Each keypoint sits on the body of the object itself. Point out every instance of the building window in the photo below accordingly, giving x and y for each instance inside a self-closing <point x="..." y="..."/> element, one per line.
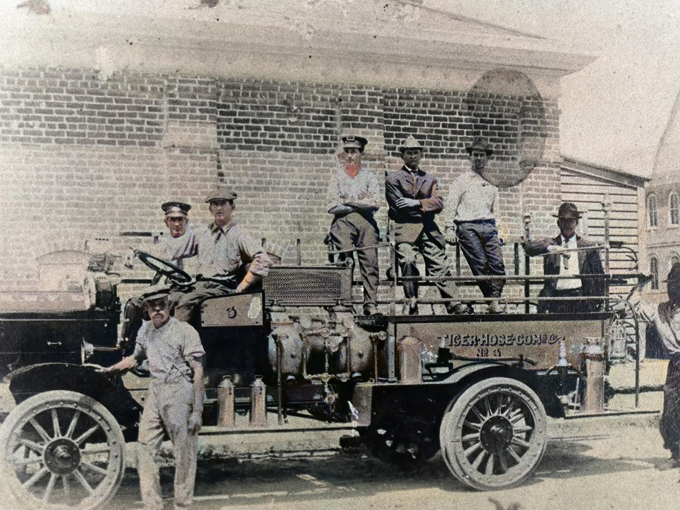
<point x="674" y="208"/>
<point x="654" y="272"/>
<point x="651" y="211"/>
<point x="675" y="258"/>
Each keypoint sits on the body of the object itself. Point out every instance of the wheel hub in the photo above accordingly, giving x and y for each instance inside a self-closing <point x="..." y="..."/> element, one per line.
<point x="62" y="456"/>
<point x="496" y="434"/>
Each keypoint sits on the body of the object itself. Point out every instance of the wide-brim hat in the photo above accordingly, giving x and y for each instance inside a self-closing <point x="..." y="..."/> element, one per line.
<point x="410" y="144"/>
<point x="157" y="291"/>
<point x="568" y="211"/>
<point x="354" y="142"/>
<point x="175" y="207"/>
<point x="221" y="193"/>
<point x="479" y="143"/>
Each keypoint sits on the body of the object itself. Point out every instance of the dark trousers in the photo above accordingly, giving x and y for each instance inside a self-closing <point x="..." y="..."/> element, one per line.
<point x="481" y="247"/>
<point x="432" y="247"/>
<point x="557" y="306"/>
<point x="356" y="231"/>
<point x="669" y="424"/>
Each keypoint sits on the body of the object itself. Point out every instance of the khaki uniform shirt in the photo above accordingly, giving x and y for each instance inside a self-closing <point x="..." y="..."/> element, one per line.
<point x="169" y="349"/>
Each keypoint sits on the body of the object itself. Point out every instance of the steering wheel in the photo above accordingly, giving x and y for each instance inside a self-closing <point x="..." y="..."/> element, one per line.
<point x="164" y="267"/>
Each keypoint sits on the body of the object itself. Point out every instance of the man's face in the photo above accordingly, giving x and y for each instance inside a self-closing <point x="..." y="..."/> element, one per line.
<point x="352" y="156"/>
<point x="177" y="224"/>
<point x="222" y="211"/>
<point x="478" y="159"/>
<point x="567" y="227"/>
<point x="159" y="311"/>
<point x="412" y="158"/>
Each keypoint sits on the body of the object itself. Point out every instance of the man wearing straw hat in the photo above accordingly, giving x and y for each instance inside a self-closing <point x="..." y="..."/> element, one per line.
<point x="472" y="203"/>
<point x="414" y="201"/>
<point x="560" y="260"/>
<point x="174" y="402"/>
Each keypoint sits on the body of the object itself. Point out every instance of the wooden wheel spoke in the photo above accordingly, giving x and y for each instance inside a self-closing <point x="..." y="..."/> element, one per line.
<point x="490" y="465"/>
<point x="40" y="430"/>
<point x="67" y="486"/>
<point x="520" y="442"/>
<point x="479" y="415"/>
<point x="94" y="468"/>
<point x="55" y="423"/>
<point x="521" y="429"/>
<point x="511" y="409"/>
<point x="514" y="454"/>
<point x="72" y="425"/>
<point x="519" y="416"/>
<point x="470" y="437"/>
<point x="32" y="445"/>
<point x="32" y="480"/>
<point x="85" y="435"/>
<point x="472" y="449"/>
<point x="480" y="458"/>
<point x="487" y="407"/>
<point x="27" y="461"/>
<point x="79" y="476"/>
<point x="50" y="487"/>
<point x="96" y="451"/>
<point x="473" y="425"/>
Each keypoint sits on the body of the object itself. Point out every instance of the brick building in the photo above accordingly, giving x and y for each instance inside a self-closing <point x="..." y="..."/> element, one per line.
<point x="104" y="115"/>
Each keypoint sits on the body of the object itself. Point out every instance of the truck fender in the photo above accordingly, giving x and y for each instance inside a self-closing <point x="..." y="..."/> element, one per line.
<point x="104" y="388"/>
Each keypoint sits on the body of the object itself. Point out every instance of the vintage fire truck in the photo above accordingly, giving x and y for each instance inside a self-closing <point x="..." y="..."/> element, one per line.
<point x="479" y="387"/>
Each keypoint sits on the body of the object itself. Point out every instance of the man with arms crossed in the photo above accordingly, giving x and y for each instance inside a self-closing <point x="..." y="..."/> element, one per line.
<point x="414" y="201"/>
<point x="353" y="198"/>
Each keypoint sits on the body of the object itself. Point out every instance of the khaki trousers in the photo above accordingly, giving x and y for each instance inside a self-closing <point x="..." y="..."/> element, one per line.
<point x="167" y="405"/>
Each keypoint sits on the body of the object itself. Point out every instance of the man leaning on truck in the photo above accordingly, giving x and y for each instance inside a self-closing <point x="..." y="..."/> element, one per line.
<point x="174" y="402"/>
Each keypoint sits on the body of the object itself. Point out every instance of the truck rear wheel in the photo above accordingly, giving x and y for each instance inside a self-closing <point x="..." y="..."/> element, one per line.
<point x="62" y="449"/>
<point x="494" y="434"/>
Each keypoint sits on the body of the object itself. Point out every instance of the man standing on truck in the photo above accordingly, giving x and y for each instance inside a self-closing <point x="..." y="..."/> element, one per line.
<point x="414" y="201"/>
<point x="353" y="198"/>
<point x="229" y="258"/>
<point x="568" y="254"/>
<point x="472" y="202"/>
<point x="174" y="402"/>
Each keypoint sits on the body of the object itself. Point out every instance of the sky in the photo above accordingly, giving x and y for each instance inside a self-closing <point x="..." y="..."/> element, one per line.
<point x="614" y="111"/>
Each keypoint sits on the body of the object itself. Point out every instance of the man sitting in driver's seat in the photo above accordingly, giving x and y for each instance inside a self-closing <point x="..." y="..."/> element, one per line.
<point x="175" y="248"/>
<point x="229" y="259"/>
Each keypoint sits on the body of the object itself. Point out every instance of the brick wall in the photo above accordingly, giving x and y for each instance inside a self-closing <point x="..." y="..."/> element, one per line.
<point x="82" y="157"/>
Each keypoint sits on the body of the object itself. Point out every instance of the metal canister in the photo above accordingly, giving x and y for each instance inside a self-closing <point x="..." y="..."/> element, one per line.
<point x="258" y="403"/>
<point x="592" y="356"/>
<point x="225" y="403"/>
<point x="410" y="360"/>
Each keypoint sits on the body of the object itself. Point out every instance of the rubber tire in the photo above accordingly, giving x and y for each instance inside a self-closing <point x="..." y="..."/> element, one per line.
<point x="60" y="399"/>
<point x="452" y="430"/>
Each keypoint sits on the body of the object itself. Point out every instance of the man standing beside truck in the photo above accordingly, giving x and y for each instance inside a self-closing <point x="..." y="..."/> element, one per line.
<point x="174" y="402"/>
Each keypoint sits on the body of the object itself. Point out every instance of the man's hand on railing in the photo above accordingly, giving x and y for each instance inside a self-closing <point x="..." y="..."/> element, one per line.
<point x="129" y="258"/>
<point x="450" y="235"/>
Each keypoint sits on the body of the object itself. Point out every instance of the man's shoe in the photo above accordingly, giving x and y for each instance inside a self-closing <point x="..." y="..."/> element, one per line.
<point x="457" y="309"/>
<point x="495" y="307"/>
<point x="409" y="309"/>
<point x="370" y="310"/>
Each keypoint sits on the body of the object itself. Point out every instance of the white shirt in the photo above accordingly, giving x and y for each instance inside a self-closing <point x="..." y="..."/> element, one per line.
<point x="471" y="198"/>
<point x="569" y="266"/>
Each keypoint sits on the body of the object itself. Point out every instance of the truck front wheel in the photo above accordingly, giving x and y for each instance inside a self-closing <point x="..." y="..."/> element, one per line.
<point x="494" y="434"/>
<point x="61" y="449"/>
